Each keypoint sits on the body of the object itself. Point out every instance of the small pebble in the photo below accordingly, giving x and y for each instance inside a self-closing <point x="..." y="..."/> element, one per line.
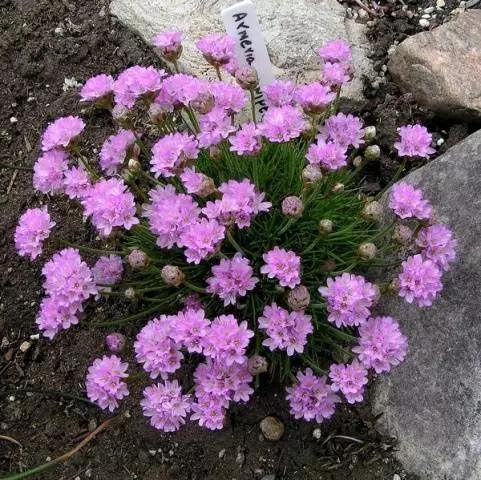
<point x="241" y="458"/>
<point x="11" y="398"/>
<point x="35" y="336"/>
<point x="13" y="120"/>
<point x="396" y="477"/>
<point x="424" y="23"/>
<point x="462" y="4"/>
<point x="440" y="3"/>
<point x="31" y="99"/>
<point x="410" y="14"/>
<point x="222" y="453"/>
<point x="426" y="15"/>
<point x="272" y="428"/>
<point x="269" y="477"/>
<point x="153" y="452"/>
<point x="59" y="31"/>
<point x="440" y="142"/>
<point x="92" y="425"/>
<point x="363" y="14"/>
<point x="391" y="50"/>
<point x="316" y="433"/>
<point x="25" y="346"/>
<point x="429" y="10"/>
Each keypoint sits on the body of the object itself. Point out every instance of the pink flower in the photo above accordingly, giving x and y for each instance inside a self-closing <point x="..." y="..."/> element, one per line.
<point x="281" y="124"/>
<point x="110" y="205"/>
<point x="217" y="49"/>
<point x="232" y="66"/>
<point x="280" y="93"/>
<point x="135" y="82"/>
<point x="166" y="405"/>
<point x="180" y="90"/>
<point x="349" y="298"/>
<point x="335" y="74"/>
<point x="62" y="132"/>
<point x="328" y="155"/>
<point x="286" y="331"/>
<point x="315" y="97"/>
<point x="97" y="87"/>
<point x="346" y="130"/>
<point x="292" y="206"/>
<point x="169" y="44"/>
<point x="381" y="344"/>
<point x="247" y="140"/>
<point x="408" y="202"/>
<point x="197" y="183"/>
<point x="156" y="349"/>
<point x="76" y="182"/>
<point x="33" y="229"/>
<point x="420" y="281"/>
<point x="201" y="239"/>
<point x="350" y="379"/>
<point x="284" y="265"/>
<point x="232" y="278"/>
<point x="312" y="398"/>
<point x="193" y="302"/>
<point x="336" y="51"/>
<point x="190" y="328"/>
<point x="214" y="127"/>
<point x="48" y="171"/>
<point x="438" y="245"/>
<point x="169" y="214"/>
<point x="108" y="270"/>
<point x="227" y="340"/>
<point x="172" y="153"/>
<point x="104" y="382"/>
<point x="52" y="317"/>
<point x="115" y="149"/>
<point x="228" y="97"/>
<point x="115" y="342"/>
<point x="415" y="141"/>
<point x="209" y="412"/>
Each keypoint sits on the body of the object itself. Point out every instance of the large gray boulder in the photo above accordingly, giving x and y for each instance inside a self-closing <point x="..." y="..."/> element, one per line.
<point x="293" y="32"/>
<point x="442" y="68"/>
<point x="432" y="402"/>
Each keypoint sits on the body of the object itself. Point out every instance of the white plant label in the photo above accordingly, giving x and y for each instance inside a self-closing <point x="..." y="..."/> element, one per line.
<point x="241" y="23"/>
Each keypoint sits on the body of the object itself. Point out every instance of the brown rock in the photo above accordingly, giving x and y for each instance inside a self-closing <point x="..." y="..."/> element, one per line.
<point x="442" y="68"/>
<point x="272" y="428"/>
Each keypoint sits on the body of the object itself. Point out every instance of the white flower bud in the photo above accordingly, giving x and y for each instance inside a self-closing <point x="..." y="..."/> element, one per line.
<point x="372" y="211"/>
<point x="372" y="152"/>
<point x="138" y="259"/>
<point x="370" y="133"/>
<point x="130" y="293"/>
<point x="338" y="187"/>
<point x="134" y="165"/>
<point x="172" y="275"/>
<point x="311" y="174"/>
<point x="357" y="162"/>
<point x="367" y="251"/>
<point x="326" y="226"/>
<point x="402" y="235"/>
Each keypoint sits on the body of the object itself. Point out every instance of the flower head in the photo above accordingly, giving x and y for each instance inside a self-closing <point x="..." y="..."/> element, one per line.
<point x="197" y="183"/>
<point x="311" y="398"/>
<point x="292" y="206"/>
<point x="381" y="344"/>
<point x="419" y="281"/>
<point x="76" y="182"/>
<point x="335" y="74"/>
<point x="281" y="124"/>
<point x="350" y="379"/>
<point x="438" y="245"/>
<point x="336" y="51"/>
<point x="104" y="382"/>
<point x="115" y="342"/>
<point x="346" y="130"/>
<point x="33" y="229"/>
<point x="53" y="317"/>
<point x="315" y="97"/>
<point x="49" y="170"/>
<point x="201" y="239"/>
<point x="247" y="140"/>
<point x="415" y="141"/>
<point x="108" y="270"/>
<point x="217" y="49"/>
<point x="228" y="97"/>
<point x="190" y="328"/>
<point x="408" y="202"/>
<point x="97" y="87"/>
<point x="328" y="155"/>
<point x="169" y="44"/>
<point x="284" y="265"/>
<point x="280" y="93"/>
<point x="115" y="149"/>
<point x="215" y="126"/>
<point x="60" y="133"/>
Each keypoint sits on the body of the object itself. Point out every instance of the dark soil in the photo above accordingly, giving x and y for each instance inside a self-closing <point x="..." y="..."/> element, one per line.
<point x="35" y="58"/>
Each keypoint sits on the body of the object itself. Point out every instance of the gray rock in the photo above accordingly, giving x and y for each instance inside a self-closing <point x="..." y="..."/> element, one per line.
<point x="442" y="68"/>
<point x="432" y="402"/>
<point x="293" y="32"/>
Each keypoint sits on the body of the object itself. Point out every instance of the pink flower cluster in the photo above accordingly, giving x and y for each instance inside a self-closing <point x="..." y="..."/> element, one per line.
<point x="201" y="239"/>
<point x="408" y="202"/>
<point x="108" y="270"/>
<point x="33" y="229"/>
<point x="61" y="133"/>
<point x="76" y="182"/>
<point x="280" y="93"/>
<point x="328" y="155"/>
<point x="345" y="130"/>
<point x="217" y="49"/>
<point x="49" y="171"/>
<point x="337" y="63"/>
<point x="97" y="88"/>
<point x="314" y="97"/>
<point x="286" y="331"/>
<point x="215" y="126"/>
<point x="415" y="141"/>
<point x="349" y="379"/>
<point x="281" y="124"/>
<point x="247" y="140"/>
<point x="115" y="149"/>
<point x="437" y="244"/>
<point x="284" y="265"/>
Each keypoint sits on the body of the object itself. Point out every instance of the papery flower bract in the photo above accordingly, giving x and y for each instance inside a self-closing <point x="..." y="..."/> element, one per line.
<point x="246" y="141"/>
<point x="108" y="270"/>
<point x="336" y="51"/>
<point x="172" y="153"/>
<point x="437" y="244"/>
<point x="381" y="344"/>
<point x="419" y="281"/>
<point x="114" y="150"/>
<point x="335" y="74"/>
<point x="33" y="229"/>
<point x="169" y="214"/>
<point x="408" y="202"/>
<point x="165" y="405"/>
<point x="104" y="382"/>
<point x="328" y="155"/>
<point x="201" y="239"/>
<point x="190" y="328"/>
<point x="311" y="398"/>
<point x="280" y="93"/>
<point x="286" y="330"/>
<point x="232" y="278"/>
<point x="49" y="170"/>
<point x="350" y="379"/>
<point x="110" y="205"/>
<point x="60" y="133"/>
<point x="314" y="97"/>
<point x="52" y="317"/>
<point x="346" y="130"/>
<point x="215" y="126"/>
<point x="76" y="182"/>
<point x="415" y="141"/>
<point x="217" y="49"/>
<point x="349" y="298"/>
<point x="97" y="87"/>
<point x="284" y="265"/>
<point x="156" y="349"/>
<point x="281" y="124"/>
<point x="134" y="82"/>
<point x="228" y="97"/>
<point x="227" y="340"/>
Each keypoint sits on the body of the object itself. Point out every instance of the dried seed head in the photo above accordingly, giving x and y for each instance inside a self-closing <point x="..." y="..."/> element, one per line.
<point x="372" y="152"/>
<point x="257" y="364"/>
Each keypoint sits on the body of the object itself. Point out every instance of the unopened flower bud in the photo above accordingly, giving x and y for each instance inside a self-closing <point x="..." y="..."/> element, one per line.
<point x="372" y="211"/>
<point x="122" y="115"/>
<point x="156" y="113"/>
<point x="169" y="45"/>
<point x="204" y="103"/>
<point x="357" y="162"/>
<point x="298" y="298"/>
<point x="326" y="226"/>
<point x="134" y="165"/>
<point x="402" y="234"/>
<point x="309" y="131"/>
<point x="292" y="206"/>
<point x="338" y="187"/>
<point x="130" y="293"/>
<point x="215" y="153"/>
<point x="370" y="133"/>
<point x="311" y="174"/>
<point x="257" y="364"/>
<point x="126" y="174"/>
<point x="172" y="275"/>
<point x="372" y="152"/>
<point x="207" y="188"/>
<point x="247" y="77"/>
<point x="367" y="251"/>
<point x="329" y="266"/>
<point x="138" y="259"/>
<point x="115" y="342"/>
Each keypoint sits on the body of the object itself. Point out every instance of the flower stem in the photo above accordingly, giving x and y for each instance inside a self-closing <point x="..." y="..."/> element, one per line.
<point x="176" y="66"/>
<point x="219" y="76"/>
<point x="50" y="393"/>
<point x="234" y="243"/>
<point x="193" y="287"/>
<point x="82" y="248"/>
<point x="253" y="106"/>
<point x="128" y="319"/>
